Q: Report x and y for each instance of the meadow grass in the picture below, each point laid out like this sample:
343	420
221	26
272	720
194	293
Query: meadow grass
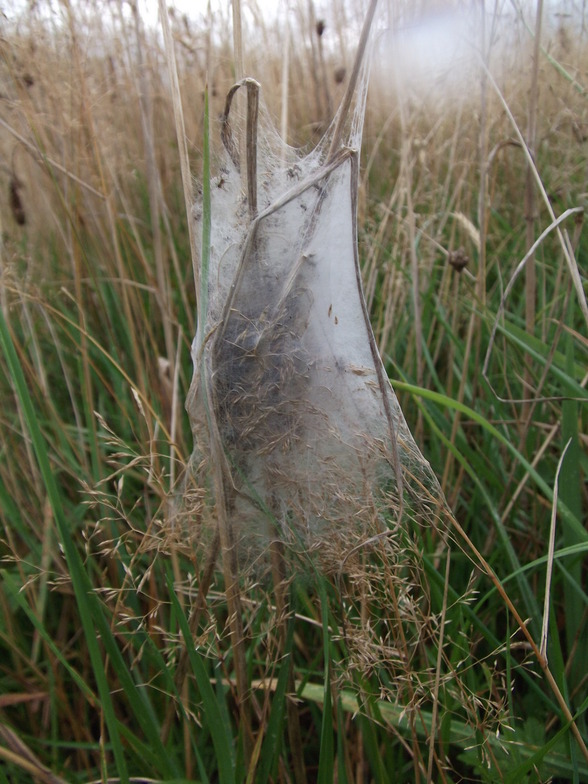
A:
115	662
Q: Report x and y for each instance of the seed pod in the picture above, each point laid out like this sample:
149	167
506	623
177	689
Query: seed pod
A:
16	205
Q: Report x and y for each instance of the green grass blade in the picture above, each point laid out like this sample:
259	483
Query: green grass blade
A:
326	760
570	490
15	594
447	402
80	582
275	725
221	739
461	734
559	366
91	614
372	747
538	758
532	608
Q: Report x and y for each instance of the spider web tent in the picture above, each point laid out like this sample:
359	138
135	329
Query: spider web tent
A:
290	405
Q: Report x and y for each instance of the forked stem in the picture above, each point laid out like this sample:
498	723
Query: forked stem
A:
231	147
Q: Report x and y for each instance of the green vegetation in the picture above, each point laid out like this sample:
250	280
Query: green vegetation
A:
116	658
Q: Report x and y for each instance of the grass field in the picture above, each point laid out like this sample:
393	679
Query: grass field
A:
446	657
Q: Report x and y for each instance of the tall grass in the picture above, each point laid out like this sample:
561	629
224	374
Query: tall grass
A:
115	639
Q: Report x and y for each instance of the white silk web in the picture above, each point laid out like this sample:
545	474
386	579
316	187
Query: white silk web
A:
311	443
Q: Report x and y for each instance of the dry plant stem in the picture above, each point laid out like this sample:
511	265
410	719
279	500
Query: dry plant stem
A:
285	77
154	187
521	485
435	711
350	91
323	77
228	140
530	219
238	40
173	425
537	451
383	382
47	556
199	608
555	429
3	298
460	397
72	228
563	237
550	554
520	266
364	614
238	60
481	272
76	254
235	620
406	168
523	627
16	752
221	483
180	134
483	186
40	157
314	71
278	564
226	132
372	262
414	749
252	115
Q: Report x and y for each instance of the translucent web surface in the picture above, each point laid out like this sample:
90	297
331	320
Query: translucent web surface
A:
288	379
